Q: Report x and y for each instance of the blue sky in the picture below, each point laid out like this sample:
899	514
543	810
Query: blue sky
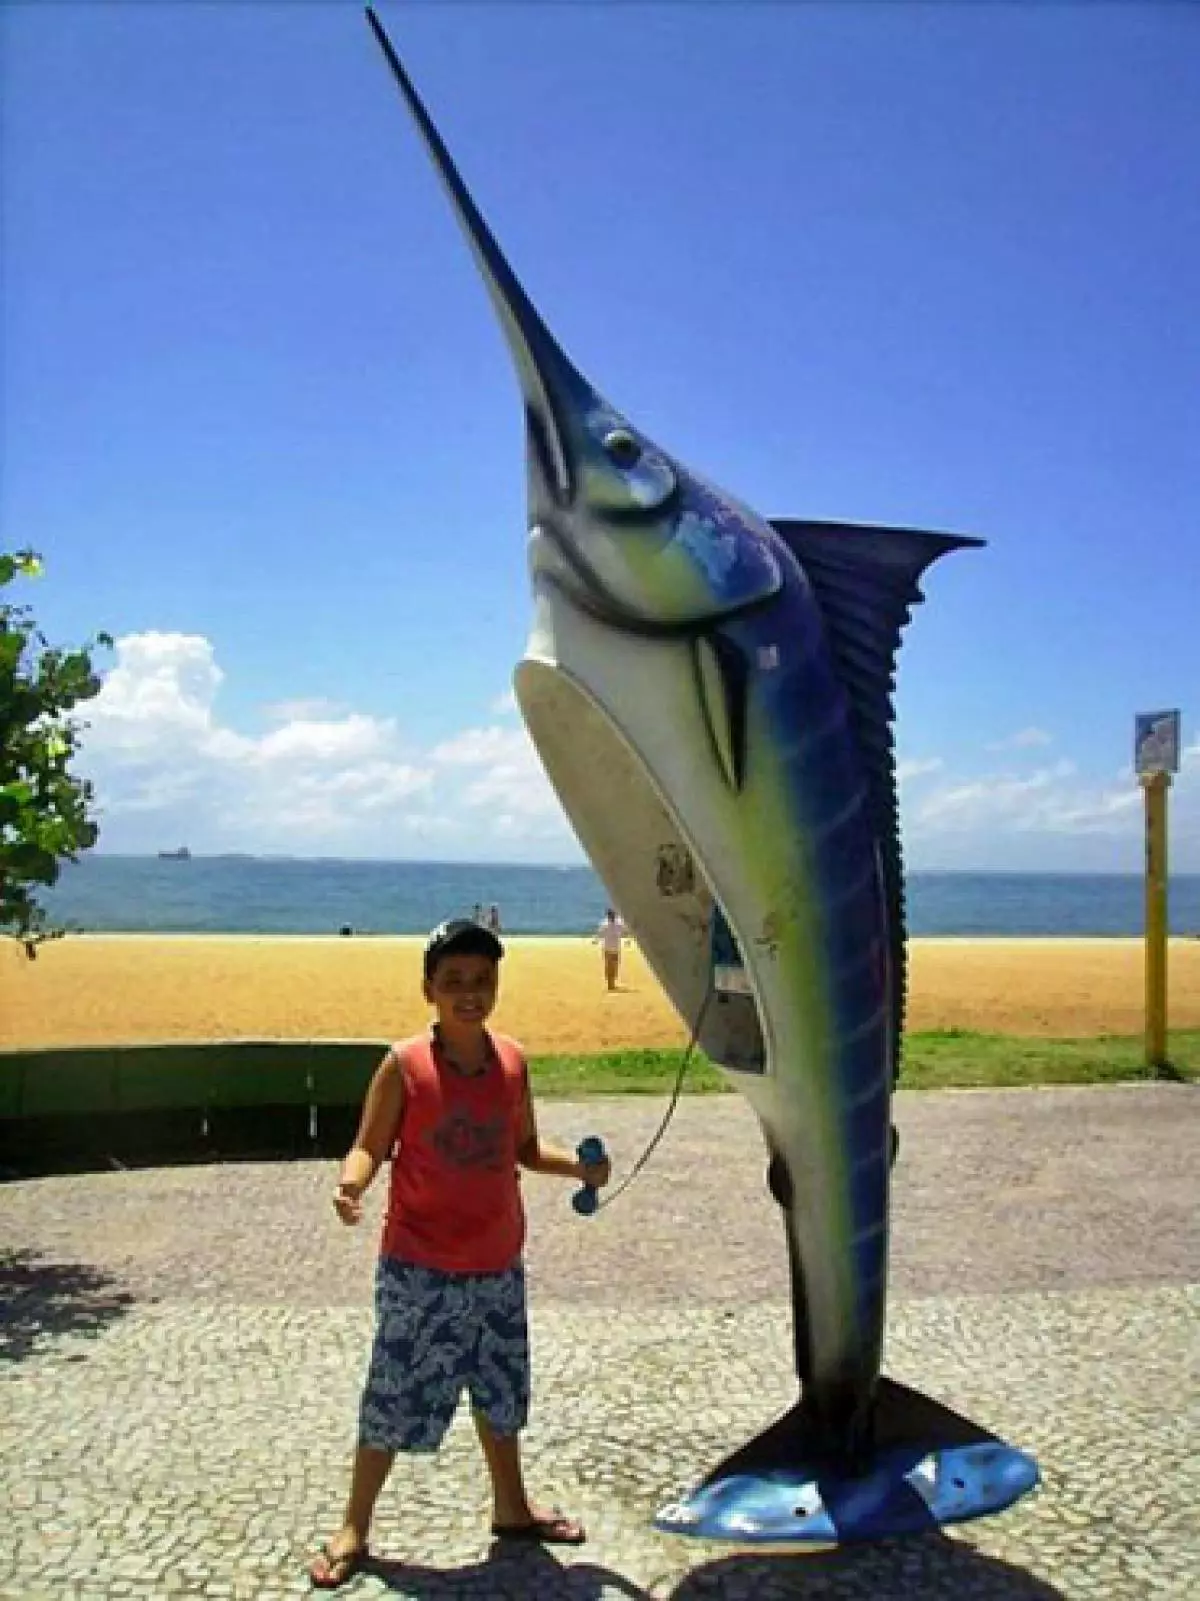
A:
917	264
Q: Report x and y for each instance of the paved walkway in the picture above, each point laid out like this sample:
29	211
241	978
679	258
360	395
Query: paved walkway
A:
181	1352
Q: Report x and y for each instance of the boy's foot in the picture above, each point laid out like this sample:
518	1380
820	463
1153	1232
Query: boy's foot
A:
336	1563
549	1528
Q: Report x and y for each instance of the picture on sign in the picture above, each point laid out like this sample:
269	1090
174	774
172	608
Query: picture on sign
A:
1156	742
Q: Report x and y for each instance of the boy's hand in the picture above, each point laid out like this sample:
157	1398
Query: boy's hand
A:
347	1203
597	1174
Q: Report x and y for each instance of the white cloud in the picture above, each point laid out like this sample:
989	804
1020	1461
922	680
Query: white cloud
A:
1051	817
162	685
299	711
321	780
1023	739
328	780
918	767
476	746
1048	816
510	781
982	799
353	738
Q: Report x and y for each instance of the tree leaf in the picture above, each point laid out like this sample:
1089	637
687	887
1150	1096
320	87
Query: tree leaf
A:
45	814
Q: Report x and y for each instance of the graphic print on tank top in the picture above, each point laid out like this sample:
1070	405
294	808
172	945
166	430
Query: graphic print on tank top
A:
467	1142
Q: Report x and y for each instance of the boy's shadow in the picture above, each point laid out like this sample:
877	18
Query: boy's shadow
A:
929	1564
519	1573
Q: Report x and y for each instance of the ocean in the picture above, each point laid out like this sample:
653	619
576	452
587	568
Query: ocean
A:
255	895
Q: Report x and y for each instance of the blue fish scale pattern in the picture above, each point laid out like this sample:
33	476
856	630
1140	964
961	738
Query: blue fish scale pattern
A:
829	799
737	560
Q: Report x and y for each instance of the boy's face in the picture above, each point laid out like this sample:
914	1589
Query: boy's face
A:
463	989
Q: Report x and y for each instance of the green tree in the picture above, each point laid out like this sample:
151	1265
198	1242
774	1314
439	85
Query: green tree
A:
45	811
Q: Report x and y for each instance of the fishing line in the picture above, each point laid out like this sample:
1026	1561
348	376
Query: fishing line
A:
637	1167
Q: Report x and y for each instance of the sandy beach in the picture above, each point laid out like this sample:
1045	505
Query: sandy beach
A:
101	989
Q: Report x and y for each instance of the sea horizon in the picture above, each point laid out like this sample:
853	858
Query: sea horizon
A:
553	866
245	893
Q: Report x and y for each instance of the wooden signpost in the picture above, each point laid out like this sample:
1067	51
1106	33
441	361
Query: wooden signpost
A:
1156	757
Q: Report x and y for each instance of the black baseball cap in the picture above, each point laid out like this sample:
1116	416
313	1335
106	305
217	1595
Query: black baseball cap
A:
461	936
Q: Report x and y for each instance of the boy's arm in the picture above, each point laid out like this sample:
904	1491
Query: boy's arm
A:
376	1129
540	1156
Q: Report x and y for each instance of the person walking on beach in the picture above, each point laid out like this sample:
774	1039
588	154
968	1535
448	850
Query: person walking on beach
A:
493	918
610	934
455	1105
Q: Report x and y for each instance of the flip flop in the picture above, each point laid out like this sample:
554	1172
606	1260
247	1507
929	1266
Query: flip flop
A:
555	1530
328	1563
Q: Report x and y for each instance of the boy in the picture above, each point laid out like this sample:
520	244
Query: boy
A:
450	1285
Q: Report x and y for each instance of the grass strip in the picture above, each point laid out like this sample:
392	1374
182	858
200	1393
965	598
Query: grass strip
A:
943	1059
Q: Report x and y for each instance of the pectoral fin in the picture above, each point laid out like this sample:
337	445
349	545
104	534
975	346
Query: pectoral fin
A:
721	678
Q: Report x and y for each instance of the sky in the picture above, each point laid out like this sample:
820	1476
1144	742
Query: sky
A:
932	265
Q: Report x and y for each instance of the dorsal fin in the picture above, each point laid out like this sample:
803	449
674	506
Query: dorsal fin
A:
865	581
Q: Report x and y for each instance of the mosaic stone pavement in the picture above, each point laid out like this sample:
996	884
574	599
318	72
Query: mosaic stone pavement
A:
181	1353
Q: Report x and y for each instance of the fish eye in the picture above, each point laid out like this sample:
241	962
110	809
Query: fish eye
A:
622	447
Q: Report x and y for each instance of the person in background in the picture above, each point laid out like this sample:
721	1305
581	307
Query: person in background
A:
492	921
610	934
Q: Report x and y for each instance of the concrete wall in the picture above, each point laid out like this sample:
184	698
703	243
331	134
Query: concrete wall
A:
127	1104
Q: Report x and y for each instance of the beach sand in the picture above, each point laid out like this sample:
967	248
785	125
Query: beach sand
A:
101	989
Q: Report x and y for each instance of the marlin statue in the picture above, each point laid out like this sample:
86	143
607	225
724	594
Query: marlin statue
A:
710	695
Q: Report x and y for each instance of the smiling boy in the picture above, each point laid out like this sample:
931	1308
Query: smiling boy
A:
455	1107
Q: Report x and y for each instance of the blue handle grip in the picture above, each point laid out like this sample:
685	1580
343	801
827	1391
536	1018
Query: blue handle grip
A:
589	1152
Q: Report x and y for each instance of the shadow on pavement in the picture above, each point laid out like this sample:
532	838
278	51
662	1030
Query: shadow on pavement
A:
40	1299
509	1573
926	1565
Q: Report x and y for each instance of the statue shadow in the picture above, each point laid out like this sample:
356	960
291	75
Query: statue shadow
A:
894	1570
41	1300
928	1564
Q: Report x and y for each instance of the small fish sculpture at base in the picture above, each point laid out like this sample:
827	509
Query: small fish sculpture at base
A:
710	695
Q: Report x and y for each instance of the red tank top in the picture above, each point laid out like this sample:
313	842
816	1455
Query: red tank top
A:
455	1197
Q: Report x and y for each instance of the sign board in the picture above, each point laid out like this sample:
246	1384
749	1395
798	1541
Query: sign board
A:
1156	742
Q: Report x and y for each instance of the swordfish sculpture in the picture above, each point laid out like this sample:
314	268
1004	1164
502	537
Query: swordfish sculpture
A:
710	695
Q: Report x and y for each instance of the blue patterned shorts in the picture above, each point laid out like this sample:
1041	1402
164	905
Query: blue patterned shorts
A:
436	1335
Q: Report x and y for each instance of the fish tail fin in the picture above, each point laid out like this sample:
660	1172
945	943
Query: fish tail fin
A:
922	1466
